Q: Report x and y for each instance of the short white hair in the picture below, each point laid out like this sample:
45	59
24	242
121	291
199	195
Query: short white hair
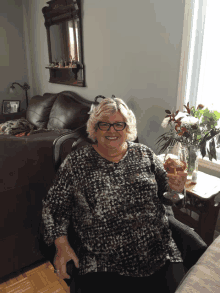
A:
107	107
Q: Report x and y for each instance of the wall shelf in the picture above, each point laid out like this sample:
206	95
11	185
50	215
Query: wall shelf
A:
75	66
66	75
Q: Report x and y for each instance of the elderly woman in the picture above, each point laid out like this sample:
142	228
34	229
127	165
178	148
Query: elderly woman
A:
112	191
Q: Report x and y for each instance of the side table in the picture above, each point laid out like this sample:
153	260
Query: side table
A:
200	199
12	116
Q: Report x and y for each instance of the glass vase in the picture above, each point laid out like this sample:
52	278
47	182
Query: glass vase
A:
192	162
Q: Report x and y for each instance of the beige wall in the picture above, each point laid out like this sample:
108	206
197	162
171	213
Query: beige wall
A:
13	65
131	49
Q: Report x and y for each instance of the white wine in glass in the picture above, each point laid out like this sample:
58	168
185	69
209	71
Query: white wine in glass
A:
175	164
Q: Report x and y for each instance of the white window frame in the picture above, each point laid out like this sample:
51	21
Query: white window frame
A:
188	69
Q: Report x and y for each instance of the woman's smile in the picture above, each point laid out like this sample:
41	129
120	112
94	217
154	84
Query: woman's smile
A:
111	137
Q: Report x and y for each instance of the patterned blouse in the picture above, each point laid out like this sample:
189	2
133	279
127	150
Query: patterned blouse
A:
117	210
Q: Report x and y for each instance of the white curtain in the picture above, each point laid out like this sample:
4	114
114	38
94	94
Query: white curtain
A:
195	51
202	61
208	91
204	56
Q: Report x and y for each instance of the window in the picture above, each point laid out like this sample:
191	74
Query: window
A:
200	60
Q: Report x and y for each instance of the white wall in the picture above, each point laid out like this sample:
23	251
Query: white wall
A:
13	65
131	49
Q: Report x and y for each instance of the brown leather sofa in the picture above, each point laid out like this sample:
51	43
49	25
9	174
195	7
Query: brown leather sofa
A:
27	172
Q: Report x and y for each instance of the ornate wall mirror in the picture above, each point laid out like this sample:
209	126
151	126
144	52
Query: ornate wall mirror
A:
64	35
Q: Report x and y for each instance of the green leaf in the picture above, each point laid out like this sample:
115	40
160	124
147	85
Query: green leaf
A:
170	142
210	156
203	149
212	149
164	134
164	137
159	139
217	115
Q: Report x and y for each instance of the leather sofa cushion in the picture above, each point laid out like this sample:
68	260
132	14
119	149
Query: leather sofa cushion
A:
27	159
39	108
67	113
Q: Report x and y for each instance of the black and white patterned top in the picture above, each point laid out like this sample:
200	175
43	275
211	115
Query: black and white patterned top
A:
117	210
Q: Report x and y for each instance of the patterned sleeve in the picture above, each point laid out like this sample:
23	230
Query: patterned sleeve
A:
162	179
57	205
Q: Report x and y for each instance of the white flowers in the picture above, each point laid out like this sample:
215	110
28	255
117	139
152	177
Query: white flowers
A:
165	122
187	120
181	114
190	120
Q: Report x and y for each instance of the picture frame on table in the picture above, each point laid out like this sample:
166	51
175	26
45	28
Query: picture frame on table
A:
11	106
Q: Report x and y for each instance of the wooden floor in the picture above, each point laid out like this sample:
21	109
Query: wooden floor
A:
37	279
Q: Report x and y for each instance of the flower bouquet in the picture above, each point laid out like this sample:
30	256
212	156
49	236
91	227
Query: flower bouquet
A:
195	127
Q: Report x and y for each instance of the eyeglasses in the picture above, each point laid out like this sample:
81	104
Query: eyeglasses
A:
118	126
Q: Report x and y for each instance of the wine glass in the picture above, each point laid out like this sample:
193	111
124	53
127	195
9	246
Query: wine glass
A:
175	163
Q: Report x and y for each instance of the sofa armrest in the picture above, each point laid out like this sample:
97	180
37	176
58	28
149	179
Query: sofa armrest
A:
58	147
204	275
65	143
169	211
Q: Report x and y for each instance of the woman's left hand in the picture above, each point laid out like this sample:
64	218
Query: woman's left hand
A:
177	182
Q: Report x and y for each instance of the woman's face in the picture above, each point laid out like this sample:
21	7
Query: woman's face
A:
112	138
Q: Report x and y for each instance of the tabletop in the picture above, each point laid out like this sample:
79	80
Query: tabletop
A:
207	186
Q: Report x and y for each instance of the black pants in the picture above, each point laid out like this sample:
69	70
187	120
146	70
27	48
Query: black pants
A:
165	280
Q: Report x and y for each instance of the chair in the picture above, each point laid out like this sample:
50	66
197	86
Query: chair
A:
189	242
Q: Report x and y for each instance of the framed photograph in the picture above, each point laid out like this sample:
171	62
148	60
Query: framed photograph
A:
9	107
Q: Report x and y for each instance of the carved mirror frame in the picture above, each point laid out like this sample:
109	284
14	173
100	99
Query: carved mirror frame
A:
61	13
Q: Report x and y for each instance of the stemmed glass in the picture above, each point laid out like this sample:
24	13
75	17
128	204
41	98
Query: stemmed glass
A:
175	163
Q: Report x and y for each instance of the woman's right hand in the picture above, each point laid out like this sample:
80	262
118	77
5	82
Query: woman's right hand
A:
62	256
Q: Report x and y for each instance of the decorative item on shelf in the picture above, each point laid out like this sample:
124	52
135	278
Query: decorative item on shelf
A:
70	61
192	129
52	65
25	87
61	63
74	63
9	106
64	62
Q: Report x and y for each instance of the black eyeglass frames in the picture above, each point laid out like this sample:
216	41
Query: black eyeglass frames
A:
118	126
